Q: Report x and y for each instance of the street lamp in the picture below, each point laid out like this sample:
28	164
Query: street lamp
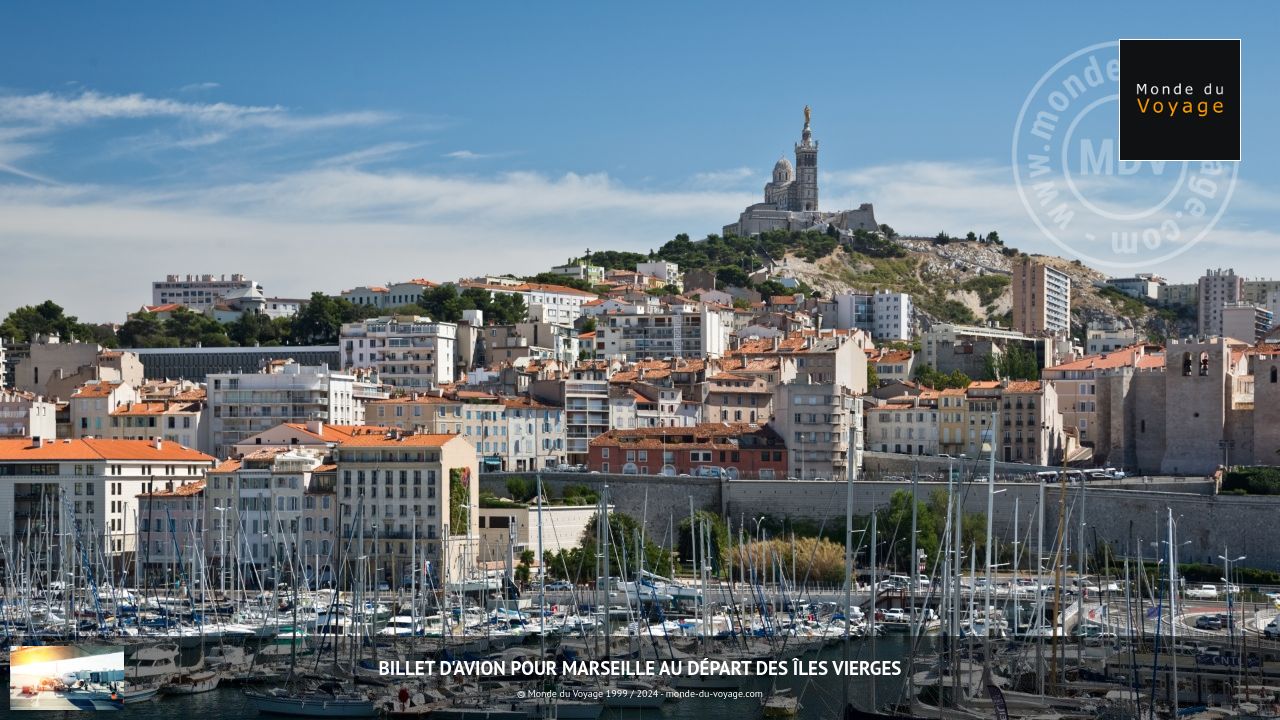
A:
1226	579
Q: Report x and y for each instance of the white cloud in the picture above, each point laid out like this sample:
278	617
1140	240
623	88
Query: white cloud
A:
732	179
51	110
469	155
198	87
365	156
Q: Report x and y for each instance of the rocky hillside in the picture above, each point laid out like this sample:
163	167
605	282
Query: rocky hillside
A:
968	282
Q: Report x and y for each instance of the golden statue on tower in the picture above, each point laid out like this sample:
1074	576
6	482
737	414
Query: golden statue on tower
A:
806	114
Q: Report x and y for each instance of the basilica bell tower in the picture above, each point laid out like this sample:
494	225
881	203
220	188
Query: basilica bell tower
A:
806	183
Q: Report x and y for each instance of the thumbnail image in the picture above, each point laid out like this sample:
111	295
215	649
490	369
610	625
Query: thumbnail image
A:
66	677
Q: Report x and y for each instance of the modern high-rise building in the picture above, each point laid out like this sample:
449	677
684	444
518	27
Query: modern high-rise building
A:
1041	298
1216	289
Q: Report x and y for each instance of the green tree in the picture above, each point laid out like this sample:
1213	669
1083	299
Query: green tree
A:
442	303
873	377
1015	363
47	318
320	321
189	328
894	527
141	330
459	500
521	488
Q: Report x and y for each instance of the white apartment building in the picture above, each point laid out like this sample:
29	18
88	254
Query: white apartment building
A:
907	425
692	330
405	351
198	292
388	296
891	313
1101	338
245	404
92	482
255	512
584	395
667	272
24	414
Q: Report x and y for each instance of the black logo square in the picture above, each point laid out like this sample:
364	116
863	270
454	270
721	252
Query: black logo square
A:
1180	100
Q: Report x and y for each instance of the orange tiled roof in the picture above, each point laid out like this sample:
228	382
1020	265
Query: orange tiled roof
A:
1023	386
340	433
227	466
95	390
153	408
397	440
183	490
98	449
1124	357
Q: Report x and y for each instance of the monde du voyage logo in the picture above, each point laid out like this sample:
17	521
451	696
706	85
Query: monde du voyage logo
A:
1143	182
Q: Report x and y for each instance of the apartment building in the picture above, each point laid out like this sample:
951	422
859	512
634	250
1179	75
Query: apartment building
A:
24	414
1041	298
817	420
737	398
55	369
690	330
1245	321
405	351
391	295
255	514
1030	427
170	537
1215	290
819	356
51	487
508	433
242	405
394	487
584	394
907	424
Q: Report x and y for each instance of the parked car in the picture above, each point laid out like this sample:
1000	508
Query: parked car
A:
895	615
1272	630
1208	622
1204	592
559	585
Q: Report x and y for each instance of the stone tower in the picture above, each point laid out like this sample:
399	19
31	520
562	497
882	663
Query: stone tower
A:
805	188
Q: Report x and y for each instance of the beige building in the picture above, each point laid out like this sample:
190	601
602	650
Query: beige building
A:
1041	298
506	532
55	369
737	398
1083	402
393	486
817	422
1030	424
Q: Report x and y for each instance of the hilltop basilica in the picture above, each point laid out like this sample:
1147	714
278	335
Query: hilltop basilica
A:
791	198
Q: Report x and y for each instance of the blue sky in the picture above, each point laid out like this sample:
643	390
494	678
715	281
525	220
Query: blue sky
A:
323	146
